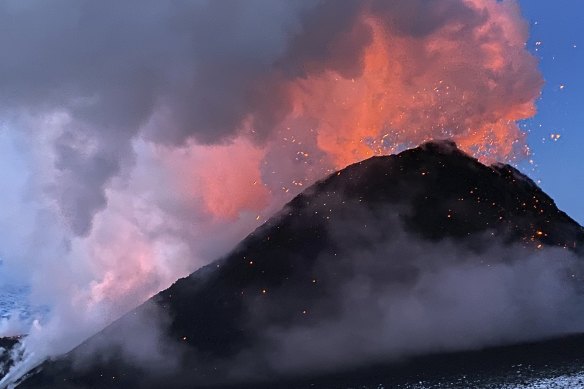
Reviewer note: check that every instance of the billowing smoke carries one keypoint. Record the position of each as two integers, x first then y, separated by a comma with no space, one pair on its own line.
388,295
142,139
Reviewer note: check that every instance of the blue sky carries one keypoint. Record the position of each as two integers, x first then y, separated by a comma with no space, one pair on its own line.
558,26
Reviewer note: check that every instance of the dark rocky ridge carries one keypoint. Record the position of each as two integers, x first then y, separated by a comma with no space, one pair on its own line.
435,192
7,345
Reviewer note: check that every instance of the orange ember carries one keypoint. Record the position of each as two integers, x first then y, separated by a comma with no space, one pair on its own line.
469,85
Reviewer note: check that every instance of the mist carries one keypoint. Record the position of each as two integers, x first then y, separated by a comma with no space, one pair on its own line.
387,295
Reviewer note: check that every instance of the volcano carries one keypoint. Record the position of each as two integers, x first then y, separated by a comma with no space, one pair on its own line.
409,261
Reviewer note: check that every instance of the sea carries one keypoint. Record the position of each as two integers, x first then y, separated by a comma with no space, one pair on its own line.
14,304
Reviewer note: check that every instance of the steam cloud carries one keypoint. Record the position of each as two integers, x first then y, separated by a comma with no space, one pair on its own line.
389,295
143,139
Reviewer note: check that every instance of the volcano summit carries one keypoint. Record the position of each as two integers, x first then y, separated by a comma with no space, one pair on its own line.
388,260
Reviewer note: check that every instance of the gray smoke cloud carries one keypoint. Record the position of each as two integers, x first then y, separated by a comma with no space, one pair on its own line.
140,341
113,66
202,70
389,296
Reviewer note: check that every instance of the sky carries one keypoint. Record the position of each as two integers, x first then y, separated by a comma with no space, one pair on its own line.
557,40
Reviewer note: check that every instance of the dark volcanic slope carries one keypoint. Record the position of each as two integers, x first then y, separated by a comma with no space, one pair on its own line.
287,273
6,346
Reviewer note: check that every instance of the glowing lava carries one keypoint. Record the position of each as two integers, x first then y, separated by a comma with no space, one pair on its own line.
469,78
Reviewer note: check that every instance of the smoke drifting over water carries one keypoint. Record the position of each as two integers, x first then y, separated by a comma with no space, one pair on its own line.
146,138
